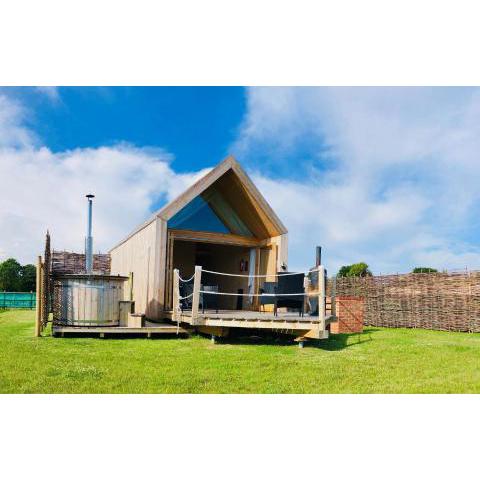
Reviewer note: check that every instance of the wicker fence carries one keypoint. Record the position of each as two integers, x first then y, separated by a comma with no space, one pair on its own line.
436,301
69,262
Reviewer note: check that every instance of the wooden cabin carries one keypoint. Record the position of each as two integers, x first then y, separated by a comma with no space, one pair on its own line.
223,223
218,240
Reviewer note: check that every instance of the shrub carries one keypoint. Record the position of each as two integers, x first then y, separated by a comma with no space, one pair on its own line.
424,270
355,270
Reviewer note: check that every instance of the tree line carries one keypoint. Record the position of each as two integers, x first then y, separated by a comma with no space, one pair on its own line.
361,269
15,277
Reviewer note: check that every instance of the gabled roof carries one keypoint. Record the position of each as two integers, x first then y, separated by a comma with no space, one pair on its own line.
229,178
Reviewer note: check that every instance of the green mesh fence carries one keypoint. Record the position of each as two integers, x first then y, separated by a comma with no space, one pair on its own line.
17,300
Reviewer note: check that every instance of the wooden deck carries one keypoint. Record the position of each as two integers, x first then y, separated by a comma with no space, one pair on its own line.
286,322
212,321
149,329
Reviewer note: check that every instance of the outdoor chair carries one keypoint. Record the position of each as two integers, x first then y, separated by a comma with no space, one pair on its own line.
186,289
268,287
288,284
209,301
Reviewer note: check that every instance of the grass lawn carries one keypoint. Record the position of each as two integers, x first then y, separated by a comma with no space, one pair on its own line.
378,361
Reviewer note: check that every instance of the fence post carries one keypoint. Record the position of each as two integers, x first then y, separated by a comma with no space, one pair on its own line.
176,295
196,293
38,299
333,297
321,297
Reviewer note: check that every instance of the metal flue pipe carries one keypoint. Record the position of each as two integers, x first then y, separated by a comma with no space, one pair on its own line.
89,240
318,259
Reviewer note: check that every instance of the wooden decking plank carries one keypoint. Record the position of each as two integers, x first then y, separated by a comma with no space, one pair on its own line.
164,328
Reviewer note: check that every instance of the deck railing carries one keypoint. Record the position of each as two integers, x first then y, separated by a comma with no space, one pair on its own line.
193,297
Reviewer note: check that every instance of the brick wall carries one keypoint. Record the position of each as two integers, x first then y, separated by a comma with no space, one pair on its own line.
350,315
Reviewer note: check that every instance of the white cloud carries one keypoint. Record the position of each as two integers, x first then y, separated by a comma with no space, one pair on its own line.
41,190
391,176
51,93
12,131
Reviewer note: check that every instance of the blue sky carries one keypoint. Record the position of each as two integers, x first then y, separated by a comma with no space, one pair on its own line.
384,175
196,123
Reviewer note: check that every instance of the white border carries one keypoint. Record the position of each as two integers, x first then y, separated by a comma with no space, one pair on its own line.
216,42
228,436
238,43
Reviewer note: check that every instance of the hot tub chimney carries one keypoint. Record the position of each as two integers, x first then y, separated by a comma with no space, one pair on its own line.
89,240
318,260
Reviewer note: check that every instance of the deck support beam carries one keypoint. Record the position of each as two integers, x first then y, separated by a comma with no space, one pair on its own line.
214,331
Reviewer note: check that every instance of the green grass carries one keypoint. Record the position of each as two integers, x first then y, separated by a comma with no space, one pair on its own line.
378,361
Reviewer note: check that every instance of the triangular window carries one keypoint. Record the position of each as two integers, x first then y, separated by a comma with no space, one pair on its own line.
209,212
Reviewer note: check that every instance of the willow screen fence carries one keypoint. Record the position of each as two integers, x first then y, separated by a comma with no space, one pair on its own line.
73,263
436,301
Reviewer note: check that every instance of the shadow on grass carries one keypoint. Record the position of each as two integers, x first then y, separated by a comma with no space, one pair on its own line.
339,341
117,336
244,337
334,342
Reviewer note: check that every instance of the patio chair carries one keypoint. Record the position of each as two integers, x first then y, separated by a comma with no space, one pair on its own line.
288,284
268,287
186,289
209,301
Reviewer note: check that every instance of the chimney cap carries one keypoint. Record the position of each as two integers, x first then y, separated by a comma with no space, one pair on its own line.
90,195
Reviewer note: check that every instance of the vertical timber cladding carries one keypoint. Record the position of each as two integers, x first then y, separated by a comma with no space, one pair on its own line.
169,272
277,255
143,254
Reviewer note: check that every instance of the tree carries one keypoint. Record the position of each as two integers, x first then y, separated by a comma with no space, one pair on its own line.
10,275
28,278
359,270
355,270
343,272
424,270
17,278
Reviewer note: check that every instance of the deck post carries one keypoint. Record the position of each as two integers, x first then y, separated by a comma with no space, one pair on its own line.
256,281
38,299
176,295
321,298
197,282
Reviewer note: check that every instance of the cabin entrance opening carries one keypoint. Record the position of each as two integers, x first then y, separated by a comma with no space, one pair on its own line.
241,260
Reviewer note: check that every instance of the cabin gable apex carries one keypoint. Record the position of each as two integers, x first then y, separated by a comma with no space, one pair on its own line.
268,216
